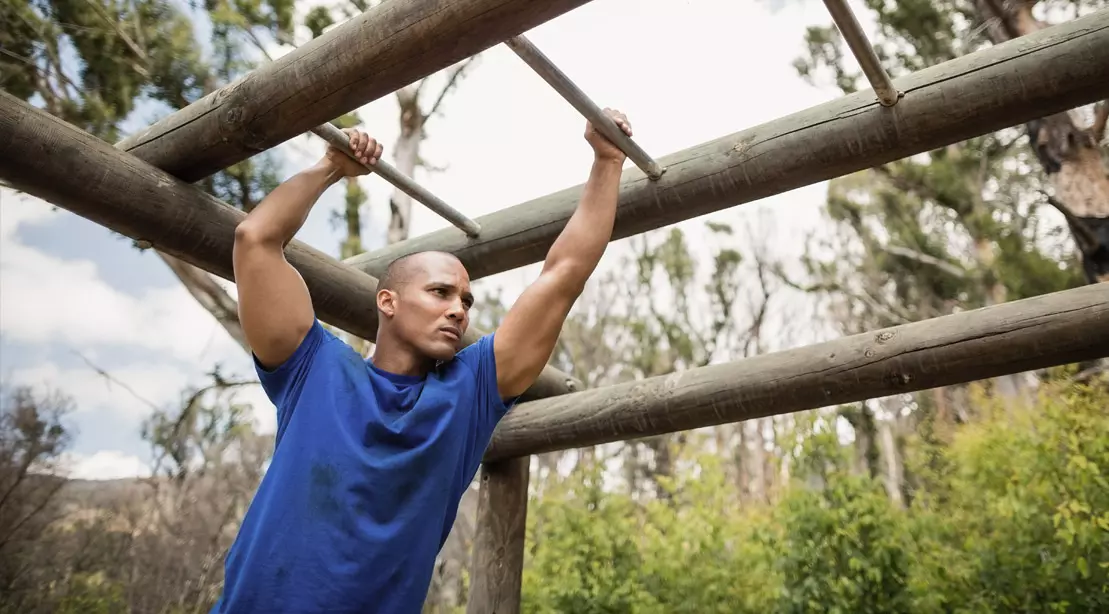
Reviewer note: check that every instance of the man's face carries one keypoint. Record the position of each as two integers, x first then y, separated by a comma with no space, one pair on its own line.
430,311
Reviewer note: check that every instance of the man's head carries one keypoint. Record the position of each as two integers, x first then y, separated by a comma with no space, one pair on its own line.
423,301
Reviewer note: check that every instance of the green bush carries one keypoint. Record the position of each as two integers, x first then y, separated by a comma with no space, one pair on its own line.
1011,516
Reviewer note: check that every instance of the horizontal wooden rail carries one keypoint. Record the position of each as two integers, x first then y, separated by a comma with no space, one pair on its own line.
1045,72
389,46
1053,329
49,158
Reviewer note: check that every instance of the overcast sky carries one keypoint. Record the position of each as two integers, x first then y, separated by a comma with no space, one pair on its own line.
685,72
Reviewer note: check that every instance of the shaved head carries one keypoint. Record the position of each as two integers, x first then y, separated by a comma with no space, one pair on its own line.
423,300
402,270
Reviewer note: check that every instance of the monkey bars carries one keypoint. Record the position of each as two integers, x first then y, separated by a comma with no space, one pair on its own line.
141,190
533,57
1052,70
406,184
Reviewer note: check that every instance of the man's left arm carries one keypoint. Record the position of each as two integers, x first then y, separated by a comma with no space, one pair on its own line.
526,338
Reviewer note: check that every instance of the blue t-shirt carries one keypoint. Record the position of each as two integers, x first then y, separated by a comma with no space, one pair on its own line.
367,472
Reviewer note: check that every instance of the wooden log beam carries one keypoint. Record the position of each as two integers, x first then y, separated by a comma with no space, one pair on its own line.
1045,72
1059,328
497,565
49,158
387,47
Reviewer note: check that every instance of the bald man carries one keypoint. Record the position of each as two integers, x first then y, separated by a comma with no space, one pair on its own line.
372,456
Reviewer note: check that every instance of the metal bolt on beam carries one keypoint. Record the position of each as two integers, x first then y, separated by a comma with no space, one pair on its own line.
562,84
339,139
864,53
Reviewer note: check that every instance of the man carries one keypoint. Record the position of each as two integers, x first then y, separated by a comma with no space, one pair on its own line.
372,456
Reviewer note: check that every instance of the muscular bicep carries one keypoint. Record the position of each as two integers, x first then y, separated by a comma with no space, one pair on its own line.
275,309
527,336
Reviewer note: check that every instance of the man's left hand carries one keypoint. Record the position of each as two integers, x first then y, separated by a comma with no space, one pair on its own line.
603,148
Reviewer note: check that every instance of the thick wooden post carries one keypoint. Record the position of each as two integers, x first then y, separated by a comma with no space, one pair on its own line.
497,565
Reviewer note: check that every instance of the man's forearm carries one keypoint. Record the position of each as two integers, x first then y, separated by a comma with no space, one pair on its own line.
281,213
580,245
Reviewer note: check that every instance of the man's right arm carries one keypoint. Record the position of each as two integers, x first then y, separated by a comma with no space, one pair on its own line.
275,309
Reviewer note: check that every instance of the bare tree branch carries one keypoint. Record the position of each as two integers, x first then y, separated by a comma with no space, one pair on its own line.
452,81
943,265
1083,236
257,42
112,379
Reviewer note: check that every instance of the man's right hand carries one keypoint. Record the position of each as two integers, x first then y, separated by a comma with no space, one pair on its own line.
364,146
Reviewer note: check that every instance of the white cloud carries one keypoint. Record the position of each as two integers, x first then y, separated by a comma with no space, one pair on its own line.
137,388
105,465
48,299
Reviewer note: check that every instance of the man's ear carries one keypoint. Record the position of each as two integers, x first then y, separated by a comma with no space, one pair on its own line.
387,302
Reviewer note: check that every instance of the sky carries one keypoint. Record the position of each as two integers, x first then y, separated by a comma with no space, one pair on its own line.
76,298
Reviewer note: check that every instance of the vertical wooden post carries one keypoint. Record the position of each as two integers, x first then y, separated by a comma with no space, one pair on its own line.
497,567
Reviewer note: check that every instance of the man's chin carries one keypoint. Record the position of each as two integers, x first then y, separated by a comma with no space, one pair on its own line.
443,350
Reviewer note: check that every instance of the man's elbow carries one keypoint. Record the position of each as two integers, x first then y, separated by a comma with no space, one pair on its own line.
569,277
249,234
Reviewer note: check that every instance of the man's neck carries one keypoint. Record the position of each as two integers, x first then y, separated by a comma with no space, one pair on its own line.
398,358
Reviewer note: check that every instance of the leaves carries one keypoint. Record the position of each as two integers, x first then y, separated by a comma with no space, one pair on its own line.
1023,525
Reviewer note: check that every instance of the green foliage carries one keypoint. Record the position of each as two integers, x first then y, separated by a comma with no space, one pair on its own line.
94,62
92,594
587,542
1029,503
593,551
1014,517
843,550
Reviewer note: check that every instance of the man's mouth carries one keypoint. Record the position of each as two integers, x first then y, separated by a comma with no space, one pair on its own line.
452,332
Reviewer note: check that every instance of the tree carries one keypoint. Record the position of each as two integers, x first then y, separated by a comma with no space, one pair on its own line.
966,179
93,62
964,226
33,441
1014,518
1066,144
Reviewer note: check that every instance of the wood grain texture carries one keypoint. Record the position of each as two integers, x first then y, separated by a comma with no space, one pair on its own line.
1053,329
387,47
49,158
498,559
1045,72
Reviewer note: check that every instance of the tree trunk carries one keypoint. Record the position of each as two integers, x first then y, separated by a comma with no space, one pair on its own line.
1068,153
407,157
894,473
756,463
742,472
861,419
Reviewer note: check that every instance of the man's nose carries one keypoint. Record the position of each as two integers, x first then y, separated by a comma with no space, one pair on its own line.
457,310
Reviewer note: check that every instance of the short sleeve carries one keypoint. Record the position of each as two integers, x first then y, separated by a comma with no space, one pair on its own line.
491,406
284,383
